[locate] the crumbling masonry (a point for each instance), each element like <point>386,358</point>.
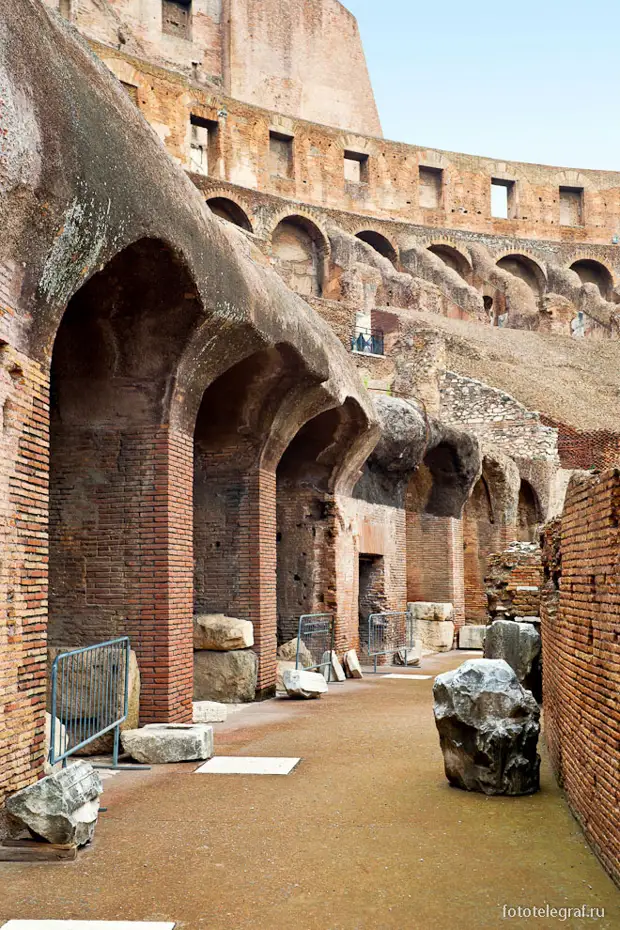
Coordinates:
<point>257,360</point>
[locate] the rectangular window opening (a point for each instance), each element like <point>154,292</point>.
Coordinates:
<point>280,155</point>
<point>176,18</point>
<point>203,144</point>
<point>356,167</point>
<point>571,206</point>
<point>431,187</point>
<point>503,205</point>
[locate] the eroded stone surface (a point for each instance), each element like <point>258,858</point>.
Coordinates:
<point>288,652</point>
<point>352,665</point>
<point>488,727</point>
<point>209,712</point>
<point>62,807</point>
<point>220,633</point>
<point>472,637</point>
<point>520,645</point>
<point>301,684</point>
<point>160,743</point>
<point>436,636</point>
<point>331,663</point>
<point>229,677</point>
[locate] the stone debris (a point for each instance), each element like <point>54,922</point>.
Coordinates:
<point>209,712</point>
<point>281,668</point>
<point>301,684</point>
<point>60,741</point>
<point>227,677</point>
<point>433,624</point>
<point>513,580</point>
<point>222,634</point>
<point>352,666</point>
<point>410,657</point>
<point>472,637</point>
<point>520,645</point>
<point>61,808</point>
<point>488,726</point>
<point>161,743</point>
<point>288,653</point>
<point>337,671</point>
<point>428,610</point>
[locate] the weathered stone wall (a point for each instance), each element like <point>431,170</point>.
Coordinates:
<point>581,658</point>
<point>513,581</point>
<point>496,418</point>
<point>435,566</point>
<point>585,448</point>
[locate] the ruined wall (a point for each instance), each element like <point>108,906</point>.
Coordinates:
<point>435,561</point>
<point>598,449</point>
<point>581,659</point>
<point>303,59</point>
<point>513,581</point>
<point>496,418</point>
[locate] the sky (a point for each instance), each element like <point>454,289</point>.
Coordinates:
<point>522,80</point>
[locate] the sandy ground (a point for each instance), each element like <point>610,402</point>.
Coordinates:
<point>365,834</point>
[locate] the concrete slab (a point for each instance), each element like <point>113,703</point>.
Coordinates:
<point>247,765</point>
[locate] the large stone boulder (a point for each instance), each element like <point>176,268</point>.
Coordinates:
<point>520,645</point>
<point>433,624</point>
<point>229,677</point>
<point>287,652</point>
<point>220,633</point>
<point>62,807</point>
<point>300,684</point>
<point>488,727</point>
<point>161,743</point>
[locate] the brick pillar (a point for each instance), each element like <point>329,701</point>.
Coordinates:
<point>257,567</point>
<point>24,449</point>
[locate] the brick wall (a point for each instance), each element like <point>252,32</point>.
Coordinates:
<point>23,568</point>
<point>435,561</point>
<point>482,535</point>
<point>598,449</point>
<point>513,580</point>
<point>581,659</point>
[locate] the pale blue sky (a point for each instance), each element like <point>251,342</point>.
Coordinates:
<point>527,80</point>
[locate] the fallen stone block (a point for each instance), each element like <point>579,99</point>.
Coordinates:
<point>301,684</point>
<point>488,727</point>
<point>409,657</point>
<point>436,635</point>
<point>227,677</point>
<point>209,712</point>
<point>431,611</point>
<point>161,743</point>
<point>104,744</point>
<point>520,645</point>
<point>60,743</point>
<point>288,653</point>
<point>331,661</point>
<point>472,637</point>
<point>281,668</point>
<point>62,807</point>
<point>222,634</point>
<point>352,666</point>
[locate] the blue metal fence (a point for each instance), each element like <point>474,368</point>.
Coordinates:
<point>390,632</point>
<point>368,341</point>
<point>89,697</point>
<point>315,643</point>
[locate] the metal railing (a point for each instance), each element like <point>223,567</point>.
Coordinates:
<point>390,632</point>
<point>315,643</point>
<point>89,697</point>
<point>368,341</point>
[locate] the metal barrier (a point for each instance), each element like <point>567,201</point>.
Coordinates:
<point>89,697</point>
<point>316,633</point>
<point>389,632</point>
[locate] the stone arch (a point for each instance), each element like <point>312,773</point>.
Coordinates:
<point>299,250</point>
<point>525,268</point>
<point>310,565</point>
<point>529,513</point>
<point>594,272</point>
<point>379,243</point>
<point>453,258</point>
<point>230,211</point>
<point>112,510</point>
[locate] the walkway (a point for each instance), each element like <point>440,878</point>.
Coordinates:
<point>365,834</point>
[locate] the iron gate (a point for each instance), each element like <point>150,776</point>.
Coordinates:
<point>389,632</point>
<point>316,633</point>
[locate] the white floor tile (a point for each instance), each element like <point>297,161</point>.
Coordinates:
<point>247,765</point>
<point>411,677</point>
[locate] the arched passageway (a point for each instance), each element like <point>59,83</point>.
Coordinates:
<point>379,243</point>
<point>298,251</point>
<point>230,211</point>
<point>529,514</point>
<point>593,272</point>
<point>453,259</point>
<point>526,269</point>
<point>120,527</point>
